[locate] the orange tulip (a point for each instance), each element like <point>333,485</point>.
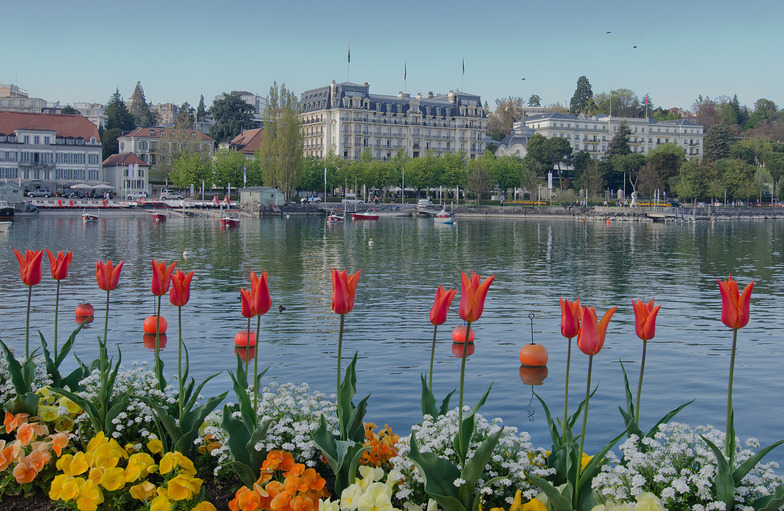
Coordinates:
<point>59,265</point>
<point>344,288</point>
<point>645,319</point>
<point>30,266</point>
<point>590,338</point>
<point>246,296</point>
<point>441,305</point>
<point>161,277</point>
<point>735,305</point>
<point>260,295</point>
<point>472,297</point>
<point>570,317</point>
<point>181,288</point>
<point>107,275</point>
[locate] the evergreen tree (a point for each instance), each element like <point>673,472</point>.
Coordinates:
<point>582,100</point>
<point>140,109</point>
<point>201,112</point>
<point>717,142</point>
<point>232,115</point>
<point>68,109</point>
<point>619,145</point>
<point>117,115</point>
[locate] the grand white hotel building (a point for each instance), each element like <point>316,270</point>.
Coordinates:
<point>346,119</point>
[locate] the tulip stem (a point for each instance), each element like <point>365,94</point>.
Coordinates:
<point>432,354</point>
<point>179,358</point>
<point>639,383</point>
<point>730,429</point>
<point>105,330</point>
<point>256,366</point>
<point>585,413</point>
<point>247,348</point>
<point>56,307</point>
<point>340,351</point>
<point>158,365</point>
<point>27,324</point>
<point>460,405</point>
<point>566,385</point>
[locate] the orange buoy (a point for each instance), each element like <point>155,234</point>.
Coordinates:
<point>149,341</point>
<point>533,375</point>
<point>151,322</point>
<point>533,355</point>
<point>608,221</point>
<point>241,339</point>
<point>459,334</point>
<point>241,352</point>
<point>457,349</point>
<point>85,309</point>
<point>84,319</point>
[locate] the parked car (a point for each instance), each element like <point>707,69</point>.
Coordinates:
<point>41,192</point>
<point>136,196</point>
<point>310,200</point>
<point>353,202</point>
<point>423,203</point>
<point>171,195</point>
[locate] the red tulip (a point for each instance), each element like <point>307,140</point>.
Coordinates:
<point>161,277</point>
<point>472,297</point>
<point>181,288</point>
<point>441,305</point>
<point>30,266</point>
<point>344,287</point>
<point>107,275</point>
<point>570,317</point>
<point>645,319</point>
<point>734,305</point>
<point>260,295</point>
<point>59,265</point>
<point>247,303</point>
<point>590,338</point>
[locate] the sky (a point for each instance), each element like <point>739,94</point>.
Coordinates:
<point>674,51</point>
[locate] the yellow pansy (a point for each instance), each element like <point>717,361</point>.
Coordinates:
<point>160,503</point>
<point>204,506</point>
<point>48,413</point>
<point>107,455</point>
<point>533,505</point>
<point>168,463</point>
<point>647,501</point>
<point>130,448</point>
<point>78,464</point>
<point>90,495</point>
<point>376,498</point>
<point>155,446</point>
<point>56,489</point>
<point>69,405</point>
<point>143,491</point>
<point>113,479</point>
<point>64,423</point>
<point>96,474</point>
<point>97,440</point>
<point>185,464</point>
<point>183,487</point>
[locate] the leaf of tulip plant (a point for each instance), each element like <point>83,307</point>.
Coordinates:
<point>771,502</point>
<point>429,401</point>
<point>439,476</point>
<point>26,401</point>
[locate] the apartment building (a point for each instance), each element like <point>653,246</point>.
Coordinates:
<point>154,144</point>
<point>16,99</point>
<point>593,134</point>
<point>346,119</point>
<point>49,151</point>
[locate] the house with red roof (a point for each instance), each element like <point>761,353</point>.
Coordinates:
<point>128,174</point>
<point>161,146</point>
<point>52,151</point>
<point>247,142</point>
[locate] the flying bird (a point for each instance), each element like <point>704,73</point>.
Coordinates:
<point>522,80</point>
<point>634,46</point>
<point>608,32</point>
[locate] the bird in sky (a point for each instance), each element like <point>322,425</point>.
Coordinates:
<point>634,46</point>
<point>608,32</point>
<point>522,80</point>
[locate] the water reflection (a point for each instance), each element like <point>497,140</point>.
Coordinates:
<point>535,261</point>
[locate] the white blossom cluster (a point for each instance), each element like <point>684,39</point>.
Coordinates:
<point>137,420</point>
<point>512,459</point>
<point>40,379</point>
<point>294,412</point>
<point>679,467</point>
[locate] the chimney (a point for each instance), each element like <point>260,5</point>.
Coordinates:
<point>430,95</point>
<point>400,95</point>
<point>419,95</point>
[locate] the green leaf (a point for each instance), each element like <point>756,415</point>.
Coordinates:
<point>244,472</point>
<point>724,482</point>
<point>439,476</point>
<point>481,401</point>
<point>592,467</point>
<point>557,501</point>
<point>463,437</point>
<point>445,403</point>
<point>771,502</point>
<point>475,466</point>
<point>66,347</point>
<point>667,418</point>
<point>750,463</point>
<point>428,400</point>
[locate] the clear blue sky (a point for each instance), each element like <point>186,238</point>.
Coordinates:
<point>83,51</point>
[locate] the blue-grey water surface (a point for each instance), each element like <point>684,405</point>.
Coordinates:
<point>534,261</point>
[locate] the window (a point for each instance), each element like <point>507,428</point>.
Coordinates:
<point>36,140</point>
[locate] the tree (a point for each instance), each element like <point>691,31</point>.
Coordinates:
<point>191,168</point>
<point>705,112</point>
<point>68,109</point>
<point>664,161</point>
<point>201,112</point>
<point>500,122</point>
<point>716,145</point>
<point>110,143</point>
<point>582,100</point>
<point>479,176</point>
<point>280,154</point>
<point>232,115</point>
<point>227,167</point>
<point>139,108</point>
<point>171,145</point>
<point>629,165</point>
<point>117,115</point>
<point>534,100</point>
<point>185,119</point>
<point>592,178</point>
<point>619,145</point>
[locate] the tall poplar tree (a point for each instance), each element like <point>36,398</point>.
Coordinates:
<point>280,154</point>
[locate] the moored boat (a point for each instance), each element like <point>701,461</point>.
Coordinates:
<point>89,217</point>
<point>370,214</point>
<point>443,217</point>
<point>159,215</point>
<point>337,216</point>
<point>6,212</point>
<point>230,219</point>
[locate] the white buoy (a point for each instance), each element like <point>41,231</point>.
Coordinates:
<point>370,242</point>
<point>288,216</point>
<point>185,254</point>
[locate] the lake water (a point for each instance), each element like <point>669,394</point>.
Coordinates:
<point>534,262</point>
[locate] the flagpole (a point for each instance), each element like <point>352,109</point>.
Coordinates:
<point>348,65</point>
<point>462,80</point>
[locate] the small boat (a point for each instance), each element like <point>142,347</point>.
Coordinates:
<point>338,216</point>
<point>5,225</point>
<point>6,212</point>
<point>89,217</point>
<point>159,216</point>
<point>370,214</point>
<point>230,219</point>
<point>443,217</point>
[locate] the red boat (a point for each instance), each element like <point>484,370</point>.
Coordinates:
<point>159,216</point>
<point>230,219</point>
<point>370,214</point>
